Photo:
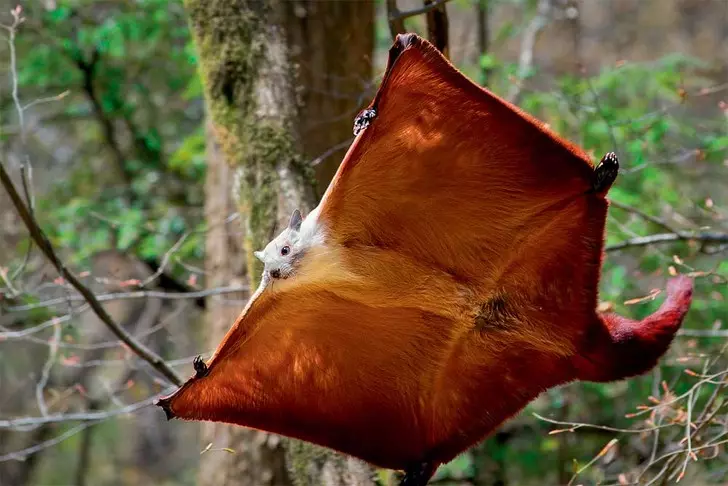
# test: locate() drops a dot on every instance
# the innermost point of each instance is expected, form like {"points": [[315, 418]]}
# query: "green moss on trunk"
{"points": [[230, 38], [242, 62]]}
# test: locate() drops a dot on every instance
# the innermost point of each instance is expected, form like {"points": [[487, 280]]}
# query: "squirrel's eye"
{"points": [[285, 250]]}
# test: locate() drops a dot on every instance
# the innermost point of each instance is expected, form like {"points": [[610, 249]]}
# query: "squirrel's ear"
{"points": [[296, 220], [258, 255]]}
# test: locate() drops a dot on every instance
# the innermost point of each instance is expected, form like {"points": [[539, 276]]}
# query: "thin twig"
{"points": [[45, 374], [48, 99], [329, 152], [8, 282], [88, 420], [688, 437], [12, 29], [25, 334], [27, 168], [94, 363], [648, 217], [574, 426], [586, 466], [165, 260], [703, 447]]}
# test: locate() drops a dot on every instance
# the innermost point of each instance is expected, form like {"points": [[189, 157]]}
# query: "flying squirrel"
{"points": [[448, 277]]}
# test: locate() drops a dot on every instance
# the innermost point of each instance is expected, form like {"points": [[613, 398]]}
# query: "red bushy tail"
{"points": [[617, 347]]}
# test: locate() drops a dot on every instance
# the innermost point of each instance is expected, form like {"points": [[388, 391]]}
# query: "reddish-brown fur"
{"points": [[457, 281]]}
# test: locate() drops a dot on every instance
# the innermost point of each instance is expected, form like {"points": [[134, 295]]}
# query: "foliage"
{"points": [[136, 183]]}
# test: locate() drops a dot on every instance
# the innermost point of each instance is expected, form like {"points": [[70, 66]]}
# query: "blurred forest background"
{"points": [[137, 137]]}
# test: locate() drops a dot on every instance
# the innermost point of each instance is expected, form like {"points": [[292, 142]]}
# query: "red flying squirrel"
{"points": [[447, 278]]}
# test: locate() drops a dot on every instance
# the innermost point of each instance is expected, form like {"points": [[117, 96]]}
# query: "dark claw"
{"points": [[164, 404], [401, 43], [605, 173], [418, 475], [363, 120], [201, 369]]}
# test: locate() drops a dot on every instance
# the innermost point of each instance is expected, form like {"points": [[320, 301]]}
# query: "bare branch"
{"points": [[674, 234], [329, 152], [27, 423], [400, 15], [39, 237], [708, 333], [43, 325], [528, 43], [396, 17], [140, 294], [165, 260], [23, 454], [52, 354], [705, 237], [648, 217], [27, 168]]}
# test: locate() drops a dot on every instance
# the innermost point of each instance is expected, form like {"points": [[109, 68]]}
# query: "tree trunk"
{"points": [[250, 56], [482, 10], [258, 458], [331, 46], [438, 27]]}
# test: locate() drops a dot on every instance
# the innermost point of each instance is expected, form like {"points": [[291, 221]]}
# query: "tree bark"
{"points": [[258, 69], [438, 27], [482, 9], [251, 103], [331, 46], [258, 458]]}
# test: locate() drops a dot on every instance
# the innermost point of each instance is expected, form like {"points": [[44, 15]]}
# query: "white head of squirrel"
{"points": [[281, 255]]}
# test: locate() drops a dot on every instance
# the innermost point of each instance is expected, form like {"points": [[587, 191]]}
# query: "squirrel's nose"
{"points": [[275, 273]]}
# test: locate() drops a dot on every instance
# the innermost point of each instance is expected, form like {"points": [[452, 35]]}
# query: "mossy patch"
{"points": [[231, 43]]}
